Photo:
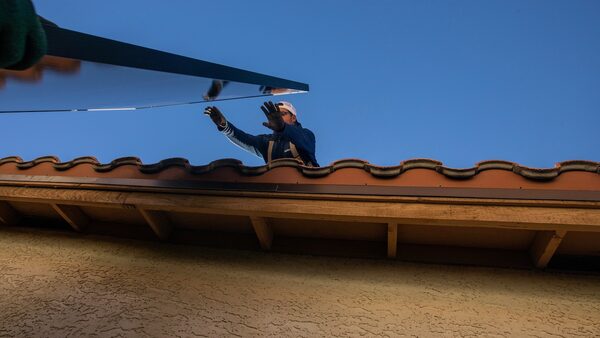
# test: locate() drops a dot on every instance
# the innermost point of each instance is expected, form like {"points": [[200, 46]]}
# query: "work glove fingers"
{"points": [[216, 110], [212, 111], [274, 113], [265, 110], [272, 107], [215, 115]]}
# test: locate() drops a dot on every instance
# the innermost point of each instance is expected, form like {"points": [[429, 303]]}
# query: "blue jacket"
{"points": [[302, 138]]}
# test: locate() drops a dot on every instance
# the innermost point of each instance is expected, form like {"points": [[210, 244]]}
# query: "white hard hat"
{"points": [[288, 106]]}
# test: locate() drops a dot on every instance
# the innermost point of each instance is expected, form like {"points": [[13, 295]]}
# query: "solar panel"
{"points": [[82, 72]]}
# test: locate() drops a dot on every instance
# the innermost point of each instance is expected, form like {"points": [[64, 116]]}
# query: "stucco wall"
{"points": [[54, 284]]}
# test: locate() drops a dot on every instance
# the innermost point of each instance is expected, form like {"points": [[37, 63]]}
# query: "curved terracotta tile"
{"points": [[164, 164], [129, 160], [315, 172], [284, 162], [33, 163], [349, 163], [536, 173], [460, 174], [11, 159], [495, 164], [226, 162], [579, 165], [385, 172], [79, 160], [421, 163], [253, 171]]}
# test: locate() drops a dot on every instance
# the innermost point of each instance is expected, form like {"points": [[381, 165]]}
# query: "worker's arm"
{"points": [[256, 145], [22, 38]]}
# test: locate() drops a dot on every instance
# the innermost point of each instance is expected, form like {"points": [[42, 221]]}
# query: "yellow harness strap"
{"points": [[296, 155], [293, 150], [270, 152]]}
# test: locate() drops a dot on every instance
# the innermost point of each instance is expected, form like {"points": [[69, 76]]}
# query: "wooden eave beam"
{"points": [[159, 222], [73, 215], [414, 213], [544, 246], [263, 231], [8, 215], [392, 240], [488, 216]]}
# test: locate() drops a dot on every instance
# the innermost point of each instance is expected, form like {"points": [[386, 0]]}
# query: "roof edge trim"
{"points": [[537, 174]]}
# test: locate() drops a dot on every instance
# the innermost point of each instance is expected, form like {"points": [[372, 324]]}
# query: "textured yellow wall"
{"points": [[54, 284]]}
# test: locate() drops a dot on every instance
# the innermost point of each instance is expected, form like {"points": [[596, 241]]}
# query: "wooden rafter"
{"points": [[392, 240], [544, 246], [263, 232], [8, 215], [73, 215], [159, 222]]}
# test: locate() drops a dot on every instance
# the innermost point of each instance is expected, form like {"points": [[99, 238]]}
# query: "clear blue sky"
{"points": [[455, 81]]}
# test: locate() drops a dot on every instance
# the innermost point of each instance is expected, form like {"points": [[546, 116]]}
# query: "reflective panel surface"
{"points": [[111, 75]]}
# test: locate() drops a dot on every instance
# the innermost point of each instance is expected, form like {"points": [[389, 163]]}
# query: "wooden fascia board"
{"points": [[113, 199], [124, 189], [493, 216]]}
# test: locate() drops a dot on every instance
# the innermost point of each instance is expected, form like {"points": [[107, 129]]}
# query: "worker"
{"points": [[288, 139], [22, 38]]}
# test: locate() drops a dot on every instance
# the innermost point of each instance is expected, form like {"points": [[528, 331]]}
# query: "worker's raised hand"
{"points": [[216, 116], [22, 37], [274, 119]]}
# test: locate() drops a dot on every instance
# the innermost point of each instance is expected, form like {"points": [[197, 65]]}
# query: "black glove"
{"points": [[216, 116], [275, 121], [23, 38]]}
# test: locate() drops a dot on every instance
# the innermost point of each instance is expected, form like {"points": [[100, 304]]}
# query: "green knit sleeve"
{"points": [[22, 38]]}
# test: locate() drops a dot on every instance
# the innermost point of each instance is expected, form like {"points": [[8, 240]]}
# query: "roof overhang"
{"points": [[425, 215]]}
